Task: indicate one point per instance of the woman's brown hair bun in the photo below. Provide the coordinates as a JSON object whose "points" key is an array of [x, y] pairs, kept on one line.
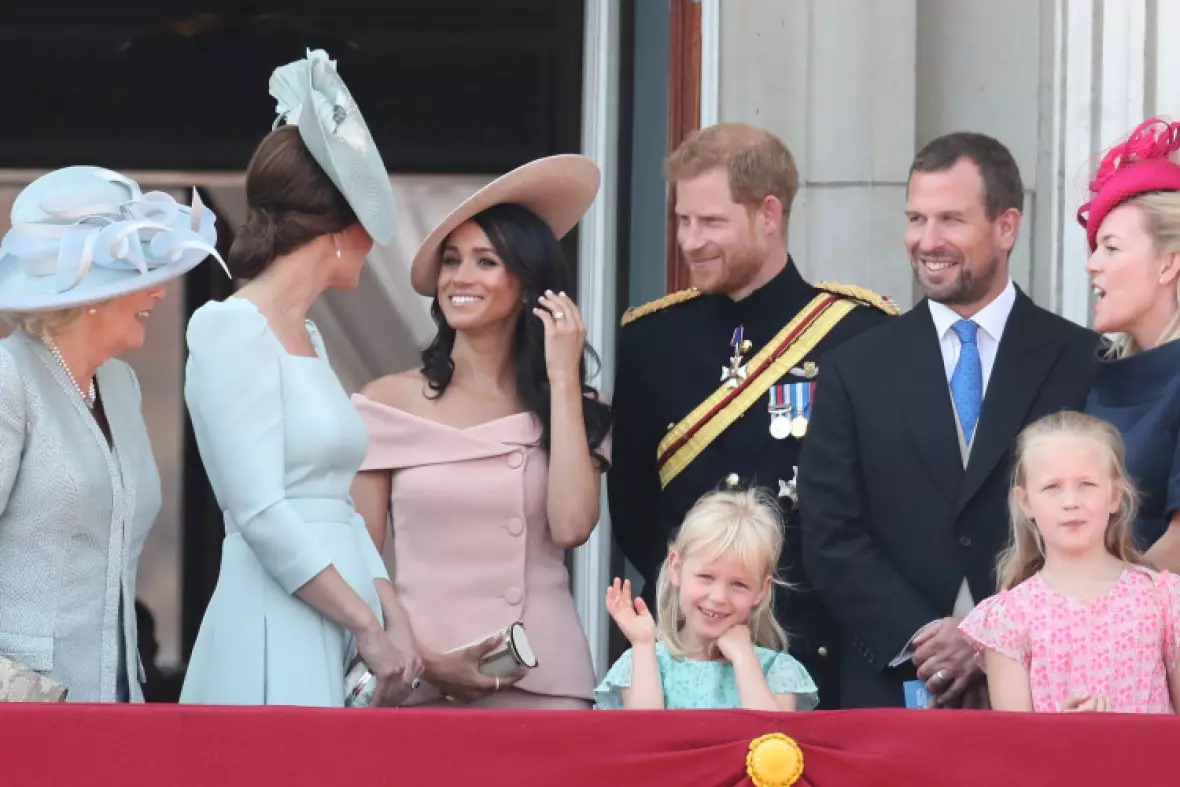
{"points": [[290, 202]]}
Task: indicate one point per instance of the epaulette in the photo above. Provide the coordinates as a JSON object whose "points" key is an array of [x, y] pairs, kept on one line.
{"points": [[671, 299], [867, 297]]}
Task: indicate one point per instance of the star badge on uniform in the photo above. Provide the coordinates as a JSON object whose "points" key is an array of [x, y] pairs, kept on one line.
{"points": [[735, 373], [789, 489]]}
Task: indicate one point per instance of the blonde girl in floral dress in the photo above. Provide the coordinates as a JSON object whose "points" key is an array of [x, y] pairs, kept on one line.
{"points": [[1080, 623]]}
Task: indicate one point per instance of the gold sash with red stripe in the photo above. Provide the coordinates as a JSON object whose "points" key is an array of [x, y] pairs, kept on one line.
{"points": [[686, 440]]}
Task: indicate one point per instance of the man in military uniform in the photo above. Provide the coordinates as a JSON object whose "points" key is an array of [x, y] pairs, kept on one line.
{"points": [[714, 384]]}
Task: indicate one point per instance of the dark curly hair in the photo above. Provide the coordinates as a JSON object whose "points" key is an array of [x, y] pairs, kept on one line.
{"points": [[533, 255]]}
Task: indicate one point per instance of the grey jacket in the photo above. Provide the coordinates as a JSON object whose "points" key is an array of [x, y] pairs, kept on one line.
{"points": [[73, 518]]}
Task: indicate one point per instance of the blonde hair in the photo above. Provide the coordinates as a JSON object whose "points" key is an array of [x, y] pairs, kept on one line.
{"points": [[757, 162], [1161, 218], [1025, 554], [743, 523], [39, 324]]}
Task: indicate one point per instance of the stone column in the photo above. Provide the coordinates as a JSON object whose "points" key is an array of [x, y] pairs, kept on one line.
{"points": [[836, 80]]}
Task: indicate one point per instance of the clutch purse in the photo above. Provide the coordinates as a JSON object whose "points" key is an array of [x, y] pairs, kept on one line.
{"points": [[510, 656], [360, 686], [18, 683]]}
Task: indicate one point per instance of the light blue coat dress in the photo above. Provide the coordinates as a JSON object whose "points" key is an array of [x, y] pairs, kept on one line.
{"points": [[281, 445], [74, 513]]}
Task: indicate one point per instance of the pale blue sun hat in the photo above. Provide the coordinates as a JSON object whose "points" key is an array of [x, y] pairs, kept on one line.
{"points": [[313, 97], [82, 235]]}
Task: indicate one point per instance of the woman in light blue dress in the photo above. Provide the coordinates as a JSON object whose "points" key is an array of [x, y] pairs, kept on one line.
{"points": [[717, 644], [81, 271], [302, 588]]}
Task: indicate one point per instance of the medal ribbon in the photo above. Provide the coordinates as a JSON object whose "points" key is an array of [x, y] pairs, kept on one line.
{"points": [[777, 398], [692, 435]]}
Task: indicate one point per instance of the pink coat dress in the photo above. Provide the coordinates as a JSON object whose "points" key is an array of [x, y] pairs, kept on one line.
{"points": [[1120, 646], [471, 543]]}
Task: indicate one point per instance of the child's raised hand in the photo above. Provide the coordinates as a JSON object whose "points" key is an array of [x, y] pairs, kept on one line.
{"points": [[735, 643], [632, 617]]}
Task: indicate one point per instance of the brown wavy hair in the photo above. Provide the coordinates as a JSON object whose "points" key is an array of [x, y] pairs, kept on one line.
{"points": [[756, 162]]}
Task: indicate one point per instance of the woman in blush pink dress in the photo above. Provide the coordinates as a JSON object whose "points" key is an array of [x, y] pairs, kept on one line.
{"points": [[487, 460], [1080, 624]]}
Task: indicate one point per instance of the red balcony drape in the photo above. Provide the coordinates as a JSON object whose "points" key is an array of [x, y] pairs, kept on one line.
{"points": [[170, 746]]}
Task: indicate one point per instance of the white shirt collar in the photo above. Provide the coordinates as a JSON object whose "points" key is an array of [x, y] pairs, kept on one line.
{"points": [[990, 318]]}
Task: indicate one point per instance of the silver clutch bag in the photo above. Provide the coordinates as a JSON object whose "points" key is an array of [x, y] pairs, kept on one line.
{"points": [[510, 656], [18, 683], [360, 686]]}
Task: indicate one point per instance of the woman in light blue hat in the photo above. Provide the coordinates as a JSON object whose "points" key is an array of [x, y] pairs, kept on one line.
{"points": [[81, 270], [302, 588]]}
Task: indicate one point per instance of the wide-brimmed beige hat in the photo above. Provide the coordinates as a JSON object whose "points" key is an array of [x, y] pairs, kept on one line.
{"points": [[558, 189]]}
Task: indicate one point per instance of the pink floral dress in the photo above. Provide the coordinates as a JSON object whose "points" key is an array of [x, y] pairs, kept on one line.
{"points": [[1120, 646]]}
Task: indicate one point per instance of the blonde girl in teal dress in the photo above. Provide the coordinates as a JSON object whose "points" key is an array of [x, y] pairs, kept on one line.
{"points": [[717, 643]]}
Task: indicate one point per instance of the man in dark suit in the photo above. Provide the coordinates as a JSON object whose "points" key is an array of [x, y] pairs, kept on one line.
{"points": [[713, 385], [904, 476]]}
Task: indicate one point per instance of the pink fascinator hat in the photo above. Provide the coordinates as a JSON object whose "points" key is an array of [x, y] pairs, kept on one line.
{"points": [[1140, 164]]}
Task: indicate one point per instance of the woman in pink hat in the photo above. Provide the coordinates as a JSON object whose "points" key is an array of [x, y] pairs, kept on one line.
{"points": [[487, 459], [1132, 222]]}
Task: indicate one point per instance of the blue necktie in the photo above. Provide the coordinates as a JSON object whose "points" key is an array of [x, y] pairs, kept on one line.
{"points": [[967, 380]]}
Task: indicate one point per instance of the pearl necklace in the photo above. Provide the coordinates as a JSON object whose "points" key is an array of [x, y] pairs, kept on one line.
{"points": [[88, 398]]}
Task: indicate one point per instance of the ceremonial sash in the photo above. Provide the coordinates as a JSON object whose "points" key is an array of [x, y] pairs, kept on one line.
{"points": [[686, 440]]}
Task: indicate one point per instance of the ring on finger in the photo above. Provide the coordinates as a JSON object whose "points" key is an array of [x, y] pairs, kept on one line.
{"points": [[497, 685], [559, 315], [940, 677]]}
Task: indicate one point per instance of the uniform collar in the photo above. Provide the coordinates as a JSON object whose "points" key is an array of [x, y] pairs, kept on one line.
{"points": [[785, 293]]}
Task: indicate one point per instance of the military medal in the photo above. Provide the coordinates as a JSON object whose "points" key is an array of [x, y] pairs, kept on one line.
{"points": [[780, 412], [735, 373], [801, 407]]}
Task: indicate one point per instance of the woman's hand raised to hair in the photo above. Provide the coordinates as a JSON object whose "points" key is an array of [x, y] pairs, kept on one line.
{"points": [[565, 339], [632, 617]]}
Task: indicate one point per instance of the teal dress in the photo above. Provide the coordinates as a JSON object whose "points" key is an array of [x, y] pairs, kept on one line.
{"points": [[281, 444], [704, 685]]}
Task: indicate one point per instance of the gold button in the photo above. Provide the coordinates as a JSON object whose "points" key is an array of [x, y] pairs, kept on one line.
{"points": [[732, 480], [822, 651]]}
